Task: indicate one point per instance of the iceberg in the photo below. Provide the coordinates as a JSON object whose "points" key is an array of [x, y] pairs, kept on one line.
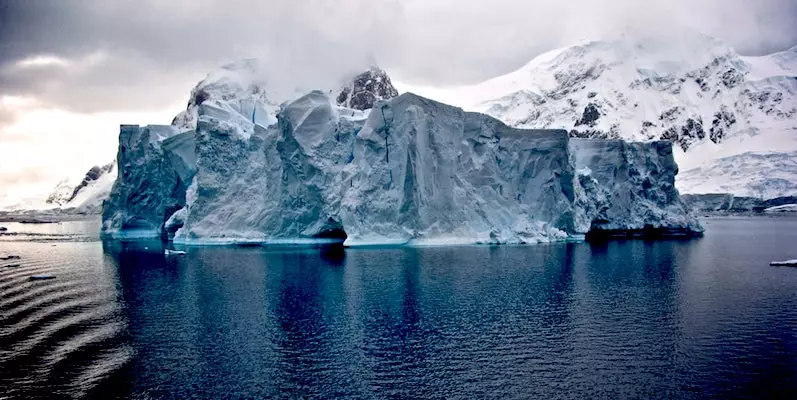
{"points": [[409, 170], [148, 188]]}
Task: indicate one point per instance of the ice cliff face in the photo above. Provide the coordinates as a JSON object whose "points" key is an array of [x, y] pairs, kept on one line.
{"points": [[410, 170], [628, 186], [149, 187], [697, 92]]}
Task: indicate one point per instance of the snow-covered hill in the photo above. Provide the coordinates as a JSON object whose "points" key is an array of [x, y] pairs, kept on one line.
{"points": [[83, 196], [763, 175], [697, 92]]}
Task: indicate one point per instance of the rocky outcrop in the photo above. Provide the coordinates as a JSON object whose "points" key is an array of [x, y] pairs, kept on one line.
{"points": [[366, 89]]}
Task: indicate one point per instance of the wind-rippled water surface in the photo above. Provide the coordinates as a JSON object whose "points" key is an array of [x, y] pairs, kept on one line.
{"points": [[704, 318]]}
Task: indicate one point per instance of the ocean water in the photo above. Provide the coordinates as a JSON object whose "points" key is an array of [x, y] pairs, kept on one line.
{"points": [[701, 318]]}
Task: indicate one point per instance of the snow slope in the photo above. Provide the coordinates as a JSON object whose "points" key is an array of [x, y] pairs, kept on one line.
{"points": [[697, 92], [88, 196], [763, 175]]}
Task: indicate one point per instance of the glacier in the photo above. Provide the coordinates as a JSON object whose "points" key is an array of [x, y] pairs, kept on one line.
{"points": [[380, 169]]}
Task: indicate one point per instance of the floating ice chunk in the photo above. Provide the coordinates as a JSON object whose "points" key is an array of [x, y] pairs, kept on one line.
{"points": [[786, 263]]}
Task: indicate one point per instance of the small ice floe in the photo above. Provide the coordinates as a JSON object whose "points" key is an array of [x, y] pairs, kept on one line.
{"points": [[41, 277], [12, 265], [786, 263], [169, 252], [10, 257]]}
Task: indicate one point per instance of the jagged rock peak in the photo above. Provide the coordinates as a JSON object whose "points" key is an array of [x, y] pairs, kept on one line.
{"points": [[366, 89]]}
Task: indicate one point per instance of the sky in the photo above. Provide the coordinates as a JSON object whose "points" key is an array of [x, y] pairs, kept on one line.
{"points": [[71, 71]]}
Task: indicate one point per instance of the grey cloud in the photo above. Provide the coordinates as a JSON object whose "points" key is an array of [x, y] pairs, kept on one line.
{"points": [[7, 116], [27, 175], [157, 50], [109, 84]]}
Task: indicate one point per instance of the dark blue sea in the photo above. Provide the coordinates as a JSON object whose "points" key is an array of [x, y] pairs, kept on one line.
{"points": [[701, 318]]}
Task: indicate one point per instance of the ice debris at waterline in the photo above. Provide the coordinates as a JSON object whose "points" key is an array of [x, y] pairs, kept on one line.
{"points": [[170, 252], [787, 263], [411, 170]]}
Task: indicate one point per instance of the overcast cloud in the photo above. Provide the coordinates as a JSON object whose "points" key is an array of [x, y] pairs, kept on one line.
{"points": [[99, 56]]}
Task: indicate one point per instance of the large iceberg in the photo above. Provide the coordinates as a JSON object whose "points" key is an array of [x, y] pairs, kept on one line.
{"points": [[409, 170]]}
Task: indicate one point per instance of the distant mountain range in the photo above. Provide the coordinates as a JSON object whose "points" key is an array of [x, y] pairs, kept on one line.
{"points": [[75, 196]]}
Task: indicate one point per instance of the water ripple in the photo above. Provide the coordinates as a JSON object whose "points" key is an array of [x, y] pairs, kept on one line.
{"points": [[61, 337]]}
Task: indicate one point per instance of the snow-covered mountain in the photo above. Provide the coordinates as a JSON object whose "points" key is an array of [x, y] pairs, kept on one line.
{"points": [[238, 87], [763, 175], [84, 196], [62, 192], [697, 92]]}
